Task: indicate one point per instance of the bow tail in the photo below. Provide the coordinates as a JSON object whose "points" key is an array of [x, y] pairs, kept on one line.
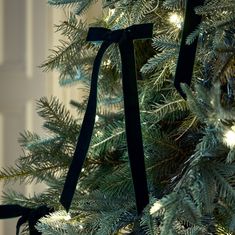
{"points": [[85, 134], [20, 222], [132, 122], [184, 69]]}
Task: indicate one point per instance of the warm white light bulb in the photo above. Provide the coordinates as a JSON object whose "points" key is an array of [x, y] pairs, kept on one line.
{"points": [[67, 217], [229, 138], [107, 62], [110, 13], [60, 217], [156, 207], [176, 20]]}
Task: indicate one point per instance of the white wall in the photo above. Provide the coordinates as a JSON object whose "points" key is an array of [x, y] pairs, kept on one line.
{"points": [[26, 34]]}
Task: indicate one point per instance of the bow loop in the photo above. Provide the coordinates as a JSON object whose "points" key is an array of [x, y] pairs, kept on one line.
{"points": [[133, 32], [140, 31], [103, 34], [97, 34]]}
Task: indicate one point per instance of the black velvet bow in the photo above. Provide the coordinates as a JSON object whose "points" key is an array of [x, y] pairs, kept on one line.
{"points": [[184, 69], [32, 215], [124, 38]]}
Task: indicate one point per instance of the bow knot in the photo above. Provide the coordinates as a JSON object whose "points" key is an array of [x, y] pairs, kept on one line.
{"points": [[114, 36], [133, 32]]}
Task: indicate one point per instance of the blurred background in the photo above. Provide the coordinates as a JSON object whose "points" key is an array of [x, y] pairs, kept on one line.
{"points": [[26, 35]]}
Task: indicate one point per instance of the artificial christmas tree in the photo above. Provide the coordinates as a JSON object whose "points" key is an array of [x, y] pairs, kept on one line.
{"points": [[188, 145]]}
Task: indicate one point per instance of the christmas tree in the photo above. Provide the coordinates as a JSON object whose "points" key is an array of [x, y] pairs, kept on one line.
{"points": [[189, 144]]}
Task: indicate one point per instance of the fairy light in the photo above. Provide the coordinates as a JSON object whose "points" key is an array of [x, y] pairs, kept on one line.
{"points": [[176, 20], [110, 14], [229, 137], [96, 118], [59, 217], [111, 11], [156, 207], [107, 62], [67, 217]]}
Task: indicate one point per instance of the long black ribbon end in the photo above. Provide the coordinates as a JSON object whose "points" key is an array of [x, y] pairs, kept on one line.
{"points": [[184, 69]]}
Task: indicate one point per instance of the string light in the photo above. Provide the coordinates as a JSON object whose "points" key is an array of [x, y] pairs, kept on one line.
{"points": [[229, 137], [62, 216], [111, 11], [67, 217], [107, 62], [176, 20], [110, 14], [156, 207]]}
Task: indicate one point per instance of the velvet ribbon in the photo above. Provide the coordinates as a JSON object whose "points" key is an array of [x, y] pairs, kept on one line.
{"points": [[124, 38], [184, 69], [32, 215]]}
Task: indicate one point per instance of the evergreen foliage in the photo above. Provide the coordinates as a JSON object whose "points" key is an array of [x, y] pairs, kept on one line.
{"points": [[189, 145]]}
